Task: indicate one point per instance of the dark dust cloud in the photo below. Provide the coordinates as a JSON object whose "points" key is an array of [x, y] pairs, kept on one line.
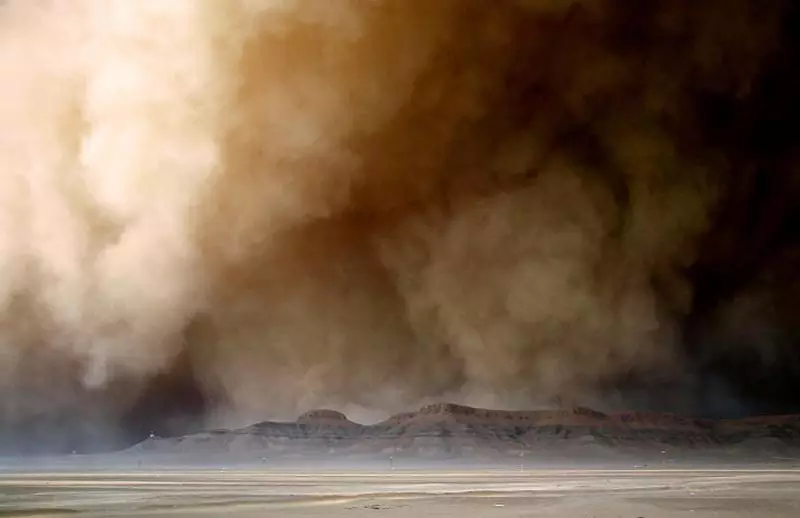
{"points": [[215, 212]]}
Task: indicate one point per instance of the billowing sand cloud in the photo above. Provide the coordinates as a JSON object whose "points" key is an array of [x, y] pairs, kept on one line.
{"points": [[359, 204]]}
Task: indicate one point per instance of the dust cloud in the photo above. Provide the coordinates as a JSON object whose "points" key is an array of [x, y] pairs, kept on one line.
{"points": [[368, 205]]}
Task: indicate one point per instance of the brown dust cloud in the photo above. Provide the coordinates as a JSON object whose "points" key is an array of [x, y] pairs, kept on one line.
{"points": [[215, 212]]}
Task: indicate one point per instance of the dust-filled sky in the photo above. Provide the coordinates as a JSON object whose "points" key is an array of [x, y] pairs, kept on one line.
{"points": [[214, 212]]}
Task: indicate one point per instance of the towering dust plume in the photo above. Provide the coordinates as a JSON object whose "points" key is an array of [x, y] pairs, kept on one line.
{"points": [[248, 208]]}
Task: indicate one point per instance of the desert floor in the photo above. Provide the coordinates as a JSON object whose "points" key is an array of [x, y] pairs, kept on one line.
{"points": [[239, 493]]}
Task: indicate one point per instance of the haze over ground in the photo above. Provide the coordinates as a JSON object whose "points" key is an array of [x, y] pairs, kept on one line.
{"points": [[216, 212]]}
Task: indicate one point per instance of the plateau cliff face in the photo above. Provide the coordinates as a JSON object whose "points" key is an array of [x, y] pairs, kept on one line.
{"points": [[457, 430]]}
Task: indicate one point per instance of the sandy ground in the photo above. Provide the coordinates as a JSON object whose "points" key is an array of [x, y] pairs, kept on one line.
{"points": [[239, 493]]}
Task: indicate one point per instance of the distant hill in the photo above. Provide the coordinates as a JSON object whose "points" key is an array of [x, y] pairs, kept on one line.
{"points": [[455, 430]]}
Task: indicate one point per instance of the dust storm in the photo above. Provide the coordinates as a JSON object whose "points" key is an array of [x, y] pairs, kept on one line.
{"points": [[220, 211]]}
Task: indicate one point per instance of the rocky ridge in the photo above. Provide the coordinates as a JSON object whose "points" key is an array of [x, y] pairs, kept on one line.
{"points": [[457, 430]]}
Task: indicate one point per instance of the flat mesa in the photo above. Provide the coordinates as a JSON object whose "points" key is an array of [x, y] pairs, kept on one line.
{"points": [[240, 492], [448, 431]]}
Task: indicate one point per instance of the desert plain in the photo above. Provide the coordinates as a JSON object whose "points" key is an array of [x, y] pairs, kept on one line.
{"points": [[699, 492]]}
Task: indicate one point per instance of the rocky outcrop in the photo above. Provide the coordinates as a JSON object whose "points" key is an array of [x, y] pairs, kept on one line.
{"points": [[323, 417], [453, 430]]}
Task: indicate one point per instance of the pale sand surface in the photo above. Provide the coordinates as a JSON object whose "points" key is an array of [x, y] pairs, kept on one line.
{"points": [[240, 493]]}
